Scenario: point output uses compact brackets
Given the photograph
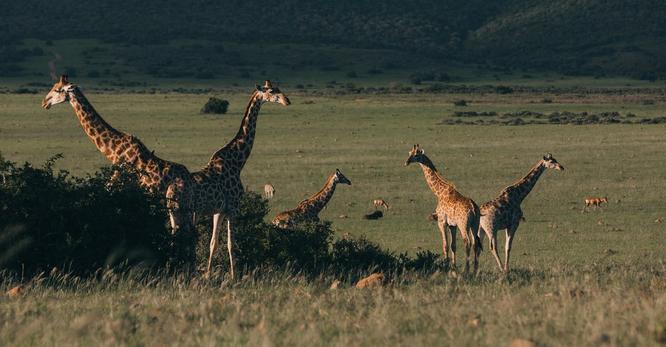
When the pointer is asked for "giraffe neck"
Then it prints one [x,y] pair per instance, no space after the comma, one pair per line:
[238,150]
[519,190]
[93,124]
[316,203]
[433,178]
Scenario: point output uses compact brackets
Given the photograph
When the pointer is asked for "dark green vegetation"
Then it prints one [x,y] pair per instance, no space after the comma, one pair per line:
[155,37]
[51,220]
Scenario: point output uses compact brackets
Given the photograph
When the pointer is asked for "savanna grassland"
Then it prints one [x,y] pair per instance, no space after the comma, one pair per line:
[578,279]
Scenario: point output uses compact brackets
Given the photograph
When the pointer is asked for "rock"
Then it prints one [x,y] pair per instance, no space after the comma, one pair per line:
[372,281]
[16,291]
[521,343]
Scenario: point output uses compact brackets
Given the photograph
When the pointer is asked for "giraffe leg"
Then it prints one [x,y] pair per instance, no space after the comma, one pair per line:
[475,247]
[453,246]
[172,219]
[230,249]
[442,229]
[466,241]
[490,230]
[510,233]
[214,239]
[493,250]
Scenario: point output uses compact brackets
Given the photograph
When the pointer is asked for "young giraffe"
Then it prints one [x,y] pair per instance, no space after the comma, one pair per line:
[504,212]
[155,174]
[308,209]
[217,187]
[453,209]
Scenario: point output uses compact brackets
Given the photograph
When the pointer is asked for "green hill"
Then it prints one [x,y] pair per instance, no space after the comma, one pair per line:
[591,37]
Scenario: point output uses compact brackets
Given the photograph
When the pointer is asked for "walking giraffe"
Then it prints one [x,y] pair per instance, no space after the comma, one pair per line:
[155,174]
[453,209]
[504,212]
[308,209]
[217,187]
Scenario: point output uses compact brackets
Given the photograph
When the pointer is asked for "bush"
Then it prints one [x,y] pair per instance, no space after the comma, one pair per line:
[50,219]
[215,105]
[460,103]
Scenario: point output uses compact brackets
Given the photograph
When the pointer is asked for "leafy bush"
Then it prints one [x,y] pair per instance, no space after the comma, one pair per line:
[215,105]
[51,219]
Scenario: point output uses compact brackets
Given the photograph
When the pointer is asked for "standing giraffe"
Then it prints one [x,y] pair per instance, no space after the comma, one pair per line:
[453,209]
[217,187]
[308,209]
[504,212]
[155,174]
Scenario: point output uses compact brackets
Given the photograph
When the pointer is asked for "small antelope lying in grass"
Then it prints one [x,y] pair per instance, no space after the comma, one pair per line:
[379,203]
[596,202]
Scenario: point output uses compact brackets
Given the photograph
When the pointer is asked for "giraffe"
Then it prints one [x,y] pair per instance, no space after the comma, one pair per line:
[155,174]
[217,187]
[504,212]
[308,209]
[453,209]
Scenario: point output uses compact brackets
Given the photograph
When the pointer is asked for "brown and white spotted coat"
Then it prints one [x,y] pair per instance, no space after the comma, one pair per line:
[308,209]
[504,212]
[157,175]
[453,209]
[217,187]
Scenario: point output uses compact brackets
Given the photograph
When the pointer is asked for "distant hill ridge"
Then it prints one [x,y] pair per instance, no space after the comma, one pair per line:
[602,37]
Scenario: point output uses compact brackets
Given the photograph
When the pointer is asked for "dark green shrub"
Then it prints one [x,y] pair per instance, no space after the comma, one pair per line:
[215,105]
[51,219]
[460,103]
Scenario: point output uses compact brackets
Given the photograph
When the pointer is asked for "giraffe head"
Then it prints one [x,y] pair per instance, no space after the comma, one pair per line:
[604,199]
[338,177]
[416,155]
[550,163]
[268,93]
[59,93]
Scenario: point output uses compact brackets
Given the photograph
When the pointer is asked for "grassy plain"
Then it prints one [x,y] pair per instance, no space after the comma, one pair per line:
[580,279]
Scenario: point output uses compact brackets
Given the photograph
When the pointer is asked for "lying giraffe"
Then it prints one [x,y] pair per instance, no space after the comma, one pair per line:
[504,212]
[308,209]
[155,174]
[217,187]
[453,210]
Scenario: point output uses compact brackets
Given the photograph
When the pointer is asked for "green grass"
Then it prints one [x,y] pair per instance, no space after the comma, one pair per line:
[615,255]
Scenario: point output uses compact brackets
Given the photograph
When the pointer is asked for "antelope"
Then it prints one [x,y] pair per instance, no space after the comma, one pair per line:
[379,203]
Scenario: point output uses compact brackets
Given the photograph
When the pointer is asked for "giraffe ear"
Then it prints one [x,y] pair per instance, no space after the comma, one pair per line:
[258,87]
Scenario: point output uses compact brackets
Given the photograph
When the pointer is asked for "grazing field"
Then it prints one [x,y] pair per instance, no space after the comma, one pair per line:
[578,278]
